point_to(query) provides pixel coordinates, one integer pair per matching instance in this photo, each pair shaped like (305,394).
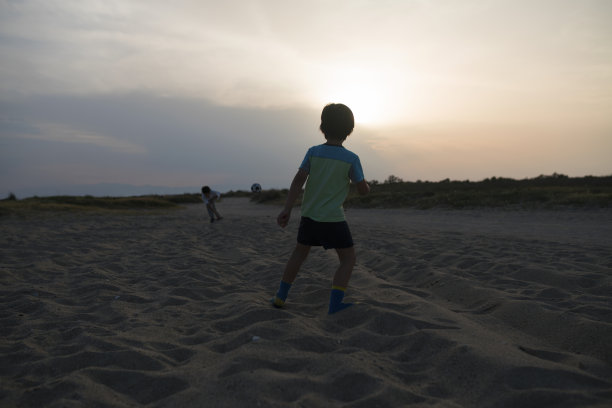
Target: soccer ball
(256,188)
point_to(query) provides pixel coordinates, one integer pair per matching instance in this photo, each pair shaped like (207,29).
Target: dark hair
(337,121)
(205,189)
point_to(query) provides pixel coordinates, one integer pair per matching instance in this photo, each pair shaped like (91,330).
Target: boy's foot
(277,302)
(335,300)
(338,307)
(212,220)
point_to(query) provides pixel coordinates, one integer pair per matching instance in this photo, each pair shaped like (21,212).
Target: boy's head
(337,121)
(205,190)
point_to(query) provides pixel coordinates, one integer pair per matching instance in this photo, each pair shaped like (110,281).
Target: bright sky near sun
(226,93)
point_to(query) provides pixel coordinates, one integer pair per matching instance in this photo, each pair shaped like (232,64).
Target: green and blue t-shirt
(330,171)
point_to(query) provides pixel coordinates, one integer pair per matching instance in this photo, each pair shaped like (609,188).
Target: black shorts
(329,234)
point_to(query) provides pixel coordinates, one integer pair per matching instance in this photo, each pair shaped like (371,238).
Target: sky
(169,96)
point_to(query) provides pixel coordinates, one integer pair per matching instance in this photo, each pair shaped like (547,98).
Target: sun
(365,104)
(363,98)
(367,94)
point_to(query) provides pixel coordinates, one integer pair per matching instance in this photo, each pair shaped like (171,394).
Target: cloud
(188,49)
(54,132)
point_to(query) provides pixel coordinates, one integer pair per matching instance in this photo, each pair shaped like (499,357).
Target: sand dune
(479,308)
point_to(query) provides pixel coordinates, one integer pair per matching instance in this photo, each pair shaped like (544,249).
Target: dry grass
(89,204)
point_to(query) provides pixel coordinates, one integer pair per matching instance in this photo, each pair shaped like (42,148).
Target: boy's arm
(294,193)
(363,187)
(213,198)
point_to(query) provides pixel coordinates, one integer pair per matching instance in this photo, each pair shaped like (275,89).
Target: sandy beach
(470,308)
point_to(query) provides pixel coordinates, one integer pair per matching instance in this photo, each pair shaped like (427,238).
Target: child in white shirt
(210,197)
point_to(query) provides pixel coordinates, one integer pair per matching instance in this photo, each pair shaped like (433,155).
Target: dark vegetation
(90,203)
(556,191)
(548,192)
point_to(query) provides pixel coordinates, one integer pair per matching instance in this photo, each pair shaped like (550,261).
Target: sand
(472,308)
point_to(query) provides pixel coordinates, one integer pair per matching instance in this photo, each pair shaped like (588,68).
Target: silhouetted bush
(541,192)
(270,196)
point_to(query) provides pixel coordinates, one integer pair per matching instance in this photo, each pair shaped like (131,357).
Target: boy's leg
(299,255)
(300,252)
(211,214)
(213,207)
(341,279)
(347,262)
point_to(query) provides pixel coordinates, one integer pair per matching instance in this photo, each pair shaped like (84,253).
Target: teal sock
(281,295)
(335,300)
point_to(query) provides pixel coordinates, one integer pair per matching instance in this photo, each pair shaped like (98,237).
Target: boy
(210,197)
(327,171)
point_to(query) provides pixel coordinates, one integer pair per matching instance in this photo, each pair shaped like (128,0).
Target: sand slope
(482,308)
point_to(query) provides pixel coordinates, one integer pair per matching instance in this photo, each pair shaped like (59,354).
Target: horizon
(127,190)
(194,94)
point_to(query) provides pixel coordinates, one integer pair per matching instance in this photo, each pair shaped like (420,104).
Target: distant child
(327,170)
(210,197)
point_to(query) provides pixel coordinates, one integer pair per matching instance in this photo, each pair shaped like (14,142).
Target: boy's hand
(283,218)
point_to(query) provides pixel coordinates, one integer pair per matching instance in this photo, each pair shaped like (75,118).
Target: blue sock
(281,295)
(335,300)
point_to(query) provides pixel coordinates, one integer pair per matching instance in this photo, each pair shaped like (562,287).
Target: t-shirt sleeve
(306,162)
(356,172)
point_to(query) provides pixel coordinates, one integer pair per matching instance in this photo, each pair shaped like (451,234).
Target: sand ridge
(483,308)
